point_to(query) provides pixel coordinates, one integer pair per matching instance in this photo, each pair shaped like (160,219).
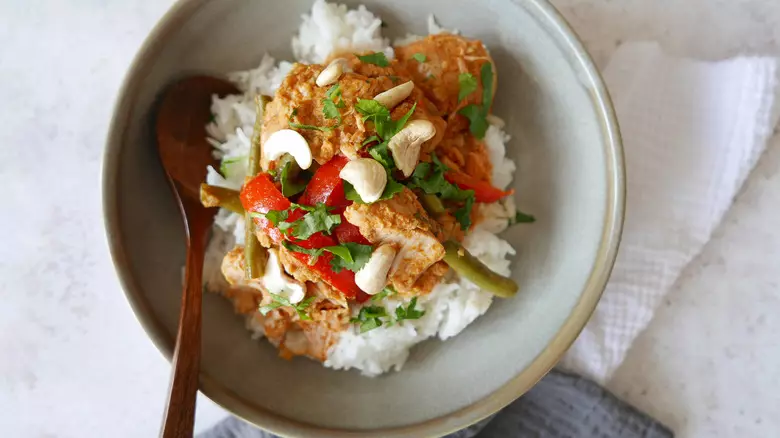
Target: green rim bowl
(570,175)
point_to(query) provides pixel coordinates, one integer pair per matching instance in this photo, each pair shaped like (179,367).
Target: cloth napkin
(692,131)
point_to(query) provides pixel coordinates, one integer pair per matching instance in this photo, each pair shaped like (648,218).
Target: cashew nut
(405,146)
(372,277)
(277,282)
(367,176)
(392,97)
(287,141)
(496,121)
(331,73)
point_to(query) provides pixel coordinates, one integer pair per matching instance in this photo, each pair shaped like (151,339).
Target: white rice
(453,304)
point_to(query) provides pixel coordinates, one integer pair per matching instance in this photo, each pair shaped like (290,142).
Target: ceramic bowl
(566,144)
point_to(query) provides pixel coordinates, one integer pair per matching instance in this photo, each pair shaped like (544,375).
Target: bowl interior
(567,177)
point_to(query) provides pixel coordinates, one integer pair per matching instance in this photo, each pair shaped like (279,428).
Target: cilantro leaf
(290,187)
(312,127)
(477,114)
(468,85)
(409,312)
(369,318)
(333,92)
(371,139)
(521,218)
(313,253)
(478,124)
(330,110)
(391,189)
(377,113)
(386,292)
(381,153)
(349,255)
(377,58)
(318,219)
(419,57)
(463,214)
(429,177)
(280,301)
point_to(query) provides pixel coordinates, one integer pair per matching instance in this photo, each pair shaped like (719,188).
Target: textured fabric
(560,406)
(692,132)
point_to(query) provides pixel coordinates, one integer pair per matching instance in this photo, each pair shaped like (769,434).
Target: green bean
(254,254)
(432,204)
(469,267)
(215,196)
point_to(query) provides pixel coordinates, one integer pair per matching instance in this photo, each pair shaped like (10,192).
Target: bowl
(570,176)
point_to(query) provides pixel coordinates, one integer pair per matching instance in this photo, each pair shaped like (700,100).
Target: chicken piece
(446,57)
(313,338)
(299,270)
(461,151)
(402,221)
(300,101)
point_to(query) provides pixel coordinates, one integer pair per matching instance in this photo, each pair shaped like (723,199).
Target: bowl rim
(448,423)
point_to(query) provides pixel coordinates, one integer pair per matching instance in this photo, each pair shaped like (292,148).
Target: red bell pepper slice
(483,190)
(326,186)
(346,232)
(260,195)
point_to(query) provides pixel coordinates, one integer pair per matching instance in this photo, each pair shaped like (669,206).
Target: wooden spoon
(185,153)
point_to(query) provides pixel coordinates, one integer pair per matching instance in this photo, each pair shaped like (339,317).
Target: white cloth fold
(692,131)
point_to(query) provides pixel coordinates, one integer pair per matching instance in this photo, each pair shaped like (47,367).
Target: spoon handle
(179,416)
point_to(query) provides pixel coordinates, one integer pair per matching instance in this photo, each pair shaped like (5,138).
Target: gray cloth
(561,405)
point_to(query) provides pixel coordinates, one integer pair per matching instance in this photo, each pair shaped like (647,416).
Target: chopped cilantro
(395,79)
(384,125)
(381,153)
(478,124)
(371,139)
(468,85)
(377,58)
(212,118)
(477,113)
(419,57)
(291,187)
(409,312)
(316,128)
(317,218)
(333,92)
(330,110)
(293,113)
(386,292)
(521,218)
(349,255)
(429,177)
(369,318)
(280,301)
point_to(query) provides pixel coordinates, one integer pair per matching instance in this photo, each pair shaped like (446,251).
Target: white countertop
(75,363)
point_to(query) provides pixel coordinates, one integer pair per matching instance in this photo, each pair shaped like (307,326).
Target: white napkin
(692,131)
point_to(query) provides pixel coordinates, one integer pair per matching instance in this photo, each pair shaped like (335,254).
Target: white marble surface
(75,363)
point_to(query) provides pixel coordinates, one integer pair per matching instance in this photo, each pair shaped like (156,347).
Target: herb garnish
(316,219)
(467,83)
(477,113)
(348,255)
(280,301)
(371,317)
(312,127)
(377,58)
(226,162)
(377,113)
(419,57)
(332,103)
(521,218)
(429,177)
(386,292)
(289,186)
